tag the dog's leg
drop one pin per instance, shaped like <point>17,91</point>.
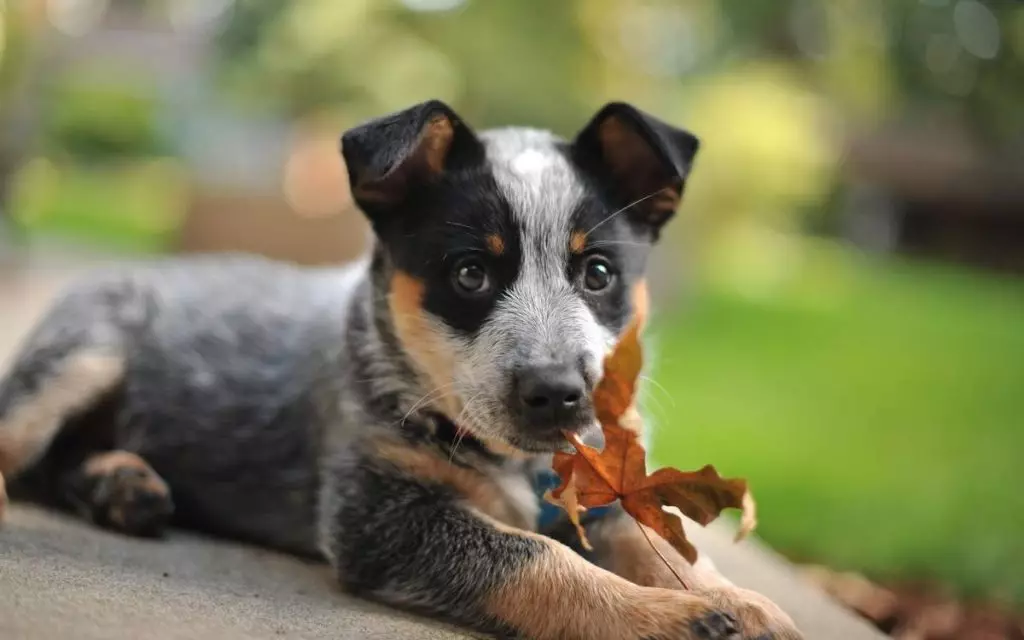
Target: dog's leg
<point>620,546</point>
<point>423,541</point>
<point>39,395</point>
<point>118,490</point>
<point>73,359</point>
<point>34,405</point>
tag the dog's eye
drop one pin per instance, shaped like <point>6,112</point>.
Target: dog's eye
<point>597,273</point>
<point>471,277</point>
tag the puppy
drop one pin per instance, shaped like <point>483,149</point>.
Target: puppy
<point>391,416</point>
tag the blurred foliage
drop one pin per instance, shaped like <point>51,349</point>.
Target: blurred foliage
<point>90,118</point>
<point>365,57</point>
<point>135,207</point>
<point>549,62</point>
<point>761,173</point>
<point>13,47</point>
<point>950,64</point>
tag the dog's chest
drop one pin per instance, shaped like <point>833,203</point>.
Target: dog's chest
<point>513,499</point>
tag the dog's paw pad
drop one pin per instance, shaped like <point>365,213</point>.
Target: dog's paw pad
<point>716,626</point>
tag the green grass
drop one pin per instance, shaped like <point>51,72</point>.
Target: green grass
<point>136,207</point>
<point>881,426</point>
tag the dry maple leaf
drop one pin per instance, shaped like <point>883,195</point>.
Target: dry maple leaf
<point>593,478</point>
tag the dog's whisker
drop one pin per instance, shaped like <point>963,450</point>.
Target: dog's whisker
<point>473,231</point>
<point>462,432</point>
<point>465,408</point>
<point>610,243</point>
<point>431,396</point>
<point>625,208</point>
<point>455,446</point>
<point>659,387</point>
<point>655,404</point>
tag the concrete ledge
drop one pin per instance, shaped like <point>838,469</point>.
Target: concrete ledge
<point>61,579</point>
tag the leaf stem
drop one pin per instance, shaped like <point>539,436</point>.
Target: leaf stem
<point>663,558</point>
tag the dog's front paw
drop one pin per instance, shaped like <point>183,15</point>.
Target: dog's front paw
<point>676,615</point>
<point>757,617</point>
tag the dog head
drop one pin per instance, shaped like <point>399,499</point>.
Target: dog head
<point>516,258</point>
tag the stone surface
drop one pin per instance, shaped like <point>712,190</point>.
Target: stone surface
<point>61,578</point>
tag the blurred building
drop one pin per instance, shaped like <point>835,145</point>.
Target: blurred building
<point>936,194</point>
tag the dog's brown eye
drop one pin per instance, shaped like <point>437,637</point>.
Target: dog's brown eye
<point>597,273</point>
<point>471,277</point>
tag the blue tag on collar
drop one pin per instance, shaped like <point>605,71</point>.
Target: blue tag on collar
<point>549,513</point>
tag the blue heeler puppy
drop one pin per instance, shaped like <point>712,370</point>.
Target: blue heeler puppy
<point>390,416</point>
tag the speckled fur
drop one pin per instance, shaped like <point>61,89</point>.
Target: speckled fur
<point>280,405</point>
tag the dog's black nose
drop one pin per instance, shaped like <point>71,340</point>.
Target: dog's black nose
<point>550,394</point>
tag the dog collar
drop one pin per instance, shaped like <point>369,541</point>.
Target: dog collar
<point>453,435</point>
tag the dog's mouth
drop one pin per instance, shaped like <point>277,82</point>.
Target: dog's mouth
<point>523,441</point>
<point>550,440</point>
<point>535,446</point>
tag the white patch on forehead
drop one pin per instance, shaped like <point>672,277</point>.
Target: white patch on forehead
<point>535,177</point>
<point>530,161</point>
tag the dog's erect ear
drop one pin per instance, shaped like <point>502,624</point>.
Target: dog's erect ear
<point>642,159</point>
<point>388,156</point>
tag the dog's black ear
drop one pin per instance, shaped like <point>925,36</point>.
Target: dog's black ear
<point>643,160</point>
<point>389,156</point>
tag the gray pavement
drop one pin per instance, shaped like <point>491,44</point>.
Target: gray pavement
<point>62,579</point>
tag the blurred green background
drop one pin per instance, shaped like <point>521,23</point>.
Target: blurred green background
<point>840,307</point>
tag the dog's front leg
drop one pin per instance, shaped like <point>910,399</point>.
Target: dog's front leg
<point>419,544</point>
<point>620,546</point>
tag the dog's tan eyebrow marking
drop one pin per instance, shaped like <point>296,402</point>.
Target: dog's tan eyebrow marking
<point>577,241</point>
<point>496,244</point>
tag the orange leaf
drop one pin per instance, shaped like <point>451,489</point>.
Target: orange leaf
<point>568,499</point>
<point>592,477</point>
<point>614,393</point>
